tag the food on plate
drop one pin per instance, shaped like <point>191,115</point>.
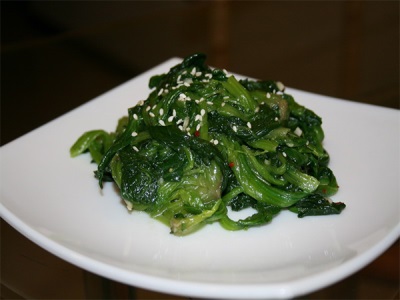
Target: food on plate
<point>205,142</point>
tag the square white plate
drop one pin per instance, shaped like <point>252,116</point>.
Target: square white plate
<point>56,202</point>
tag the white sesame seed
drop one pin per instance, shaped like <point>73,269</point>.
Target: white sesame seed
<point>209,75</point>
<point>249,125</point>
<point>154,107</point>
<point>205,80</point>
<point>186,84</point>
<point>161,111</point>
<point>135,116</point>
<point>257,109</point>
<point>161,122</point>
<point>151,114</point>
<point>198,127</point>
<point>193,71</point>
<point>179,121</point>
<point>298,131</point>
<point>198,74</point>
<point>222,104</point>
<point>209,103</point>
<point>226,97</point>
<point>276,119</point>
<point>134,133</point>
<point>166,91</point>
<point>307,143</point>
<point>234,128</point>
<point>187,129</point>
<point>178,79</point>
<point>148,108</point>
<point>180,127</point>
<point>284,154</point>
<point>135,148</point>
<point>174,112</point>
<point>215,142</point>
<point>203,112</point>
<point>268,95</point>
<point>171,118</point>
<point>280,86</point>
<point>186,122</point>
<point>212,141</point>
<point>160,91</point>
<point>198,118</point>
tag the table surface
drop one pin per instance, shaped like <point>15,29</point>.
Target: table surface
<point>57,56</point>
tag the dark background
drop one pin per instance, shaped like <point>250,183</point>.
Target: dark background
<point>56,55</point>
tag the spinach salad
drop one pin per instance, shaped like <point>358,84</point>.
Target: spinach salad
<point>204,141</point>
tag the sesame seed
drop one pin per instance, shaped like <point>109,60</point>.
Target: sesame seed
<point>268,95</point>
<point>284,154</point>
<point>280,86</point>
<point>215,142</point>
<point>198,118</point>
<point>249,125</point>
<point>226,97</point>
<point>209,103</point>
<point>257,109</point>
<point>276,119</point>
<point>148,108</point>
<point>166,91</point>
<point>174,112</point>
<point>185,122</point>
<point>298,131</point>
<point>198,74</point>
<point>205,80</point>
<point>178,79</point>
<point>187,129</point>
<point>186,84</point>
<point>180,127</point>
<point>203,112</point>
<point>198,127</point>
<point>209,75</point>
<point>234,128</point>
<point>222,104</point>
<point>135,116</point>
<point>154,107</point>
<point>135,148</point>
<point>161,91</point>
<point>179,121</point>
<point>171,118</point>
<point>151,114</point>
<point>134,133</point>
<point>161,111</point>
<point>193,71</point>
<point>212,141</point>
<point>161,122</point>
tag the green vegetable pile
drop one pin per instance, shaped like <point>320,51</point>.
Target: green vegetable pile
<point>204,141</point>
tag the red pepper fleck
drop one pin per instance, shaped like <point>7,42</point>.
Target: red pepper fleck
<point>197,133</point>
<point>324,191</point>
<point>231,164</point>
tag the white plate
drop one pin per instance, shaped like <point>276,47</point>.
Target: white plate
<point>55,201</point>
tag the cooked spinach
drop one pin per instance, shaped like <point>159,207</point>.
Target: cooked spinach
<point>204,141</point>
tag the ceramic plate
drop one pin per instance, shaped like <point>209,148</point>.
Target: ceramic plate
<point>56,202</point>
